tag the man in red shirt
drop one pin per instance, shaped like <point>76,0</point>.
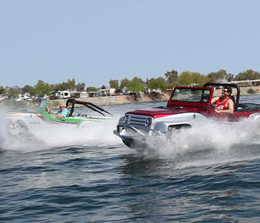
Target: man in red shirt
<point>224,104</point>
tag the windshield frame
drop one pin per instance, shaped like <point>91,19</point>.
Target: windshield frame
<point>178,103</point>
<point>191,95</point>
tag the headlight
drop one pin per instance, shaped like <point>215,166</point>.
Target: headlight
<point>126,118</point>
<point>148,122</point>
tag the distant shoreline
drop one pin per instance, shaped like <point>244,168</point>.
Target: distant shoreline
<point>143,98</point>
<point>244,90</point>
<point>131,99</point>
<point>118,99</point>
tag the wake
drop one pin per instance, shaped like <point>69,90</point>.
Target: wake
<point>208,144</point>
<point>94,134</point>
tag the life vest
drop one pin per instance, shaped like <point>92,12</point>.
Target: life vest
<point>222,105</point>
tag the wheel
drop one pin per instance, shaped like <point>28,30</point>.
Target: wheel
<point>129,143</point>
<point>176,128</point>
<point>20,130</point>
<point>213,106</point>
<point>14,128</point>
<point>139,145</point>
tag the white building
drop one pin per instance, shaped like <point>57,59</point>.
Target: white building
<point>77,94</point>
<point>60,94</point>
<point>150,91</point>
<point>24,97</point>
<point>105,92</point>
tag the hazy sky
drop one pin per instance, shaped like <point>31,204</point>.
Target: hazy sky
<point>94,41</point>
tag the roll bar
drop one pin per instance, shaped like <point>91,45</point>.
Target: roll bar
<point>226,85</point>
<point>87,104</point>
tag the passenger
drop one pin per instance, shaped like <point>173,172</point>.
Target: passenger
<point>63,112</point>
<point>224,104</point>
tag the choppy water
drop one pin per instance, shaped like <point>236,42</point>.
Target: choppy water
<point>215,179</point>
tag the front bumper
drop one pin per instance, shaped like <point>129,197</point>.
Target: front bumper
<point>133,133</point>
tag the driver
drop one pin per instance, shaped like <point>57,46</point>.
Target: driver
<point>224,104</point>
<point>63,112</point>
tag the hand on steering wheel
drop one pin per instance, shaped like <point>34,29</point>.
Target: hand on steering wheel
<point>48,110</point>
<point>213,106</point>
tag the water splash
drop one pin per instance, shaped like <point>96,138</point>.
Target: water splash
<point>94,134</point>
<point>210,143</point>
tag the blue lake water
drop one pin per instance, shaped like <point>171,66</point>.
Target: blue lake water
<point>105,181</point>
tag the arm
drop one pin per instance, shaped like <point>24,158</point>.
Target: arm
<point>58,116</point>
<point>54,114</point>
<point>214,100</point>
<point>49,110</point>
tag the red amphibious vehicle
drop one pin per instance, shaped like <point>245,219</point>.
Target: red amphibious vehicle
<point>187,107</point>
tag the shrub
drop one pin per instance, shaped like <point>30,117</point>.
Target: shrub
<point>251,91</point>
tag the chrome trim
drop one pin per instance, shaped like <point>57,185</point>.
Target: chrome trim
<point>129,127</point>
<point>137,120</point>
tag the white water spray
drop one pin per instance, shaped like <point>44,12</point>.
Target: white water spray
<point>93,134</point>
<point>225,140</point>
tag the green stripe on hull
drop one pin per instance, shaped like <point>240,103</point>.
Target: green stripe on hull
<point>46,117</point>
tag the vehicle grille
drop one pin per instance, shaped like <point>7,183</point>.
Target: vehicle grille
<point>137,120</point>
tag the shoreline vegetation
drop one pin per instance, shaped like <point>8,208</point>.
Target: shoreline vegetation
<point>161,84</point>
<point>126,99</point>
<point>118,99</point>
<point>142,98</point>
<point>249,80</point>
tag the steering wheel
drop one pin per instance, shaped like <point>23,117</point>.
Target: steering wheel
<point>213,106</point>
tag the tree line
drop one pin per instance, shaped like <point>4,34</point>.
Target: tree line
<point>168,81</point>
<point>172,79</point>
<point>41,88</point>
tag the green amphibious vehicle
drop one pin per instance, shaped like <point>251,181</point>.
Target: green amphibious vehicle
<point>31,124</point>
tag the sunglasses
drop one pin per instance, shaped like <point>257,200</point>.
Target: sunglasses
<point>225,91</point>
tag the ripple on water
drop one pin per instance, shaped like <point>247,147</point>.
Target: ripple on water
<point>108,183</point>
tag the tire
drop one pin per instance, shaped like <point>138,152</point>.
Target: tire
<point>129,143</point>
<point>14,128</point>
<point>19,130</point>
<point>138,145</point>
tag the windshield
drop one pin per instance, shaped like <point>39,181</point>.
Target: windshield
<point>41,105</point>
<point>191,95</point>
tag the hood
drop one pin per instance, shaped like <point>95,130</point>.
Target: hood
<point>23,112</point>
<point>162,112</point>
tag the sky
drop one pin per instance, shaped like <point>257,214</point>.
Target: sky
<point>95,41</point>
